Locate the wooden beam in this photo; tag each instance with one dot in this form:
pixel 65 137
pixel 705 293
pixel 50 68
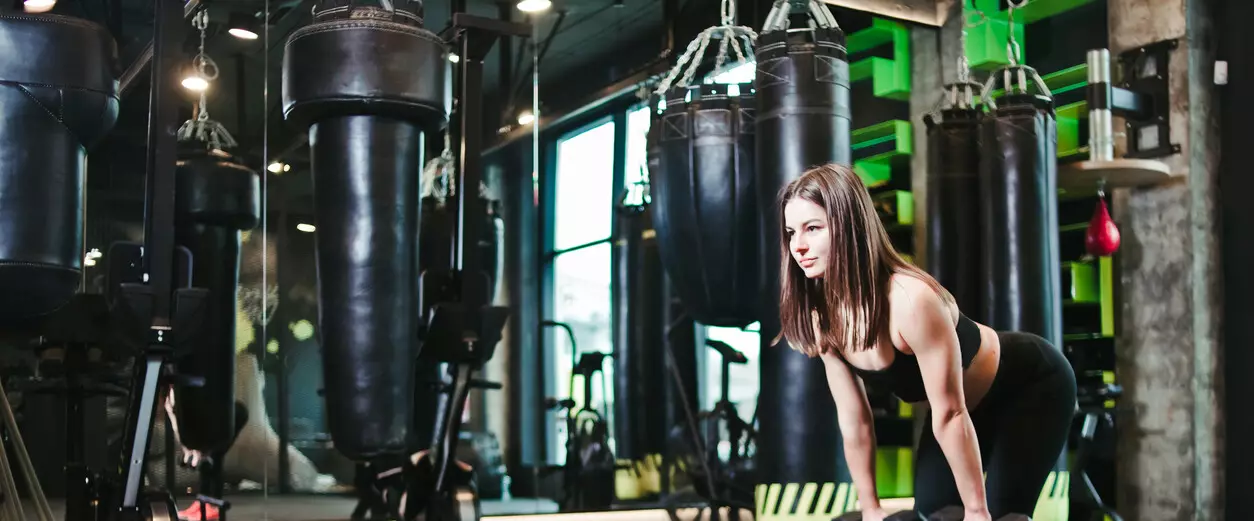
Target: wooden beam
pixel 931 13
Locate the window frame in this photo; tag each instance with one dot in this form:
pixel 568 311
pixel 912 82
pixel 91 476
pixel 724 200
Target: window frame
pixel 616 115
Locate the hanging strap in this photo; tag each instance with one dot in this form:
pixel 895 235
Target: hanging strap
pixel 777 18
pixel 200 128
pixel 963 93
pixel 731 37
pixel 1015 76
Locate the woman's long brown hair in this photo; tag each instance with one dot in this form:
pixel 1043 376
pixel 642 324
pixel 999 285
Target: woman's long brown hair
pixel 851 299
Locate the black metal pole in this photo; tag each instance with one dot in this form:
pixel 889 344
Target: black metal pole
pixel 281 375
pixel 469 206
pixel 163 122
pixel 76 500
pixel 158 254
pixel 505 73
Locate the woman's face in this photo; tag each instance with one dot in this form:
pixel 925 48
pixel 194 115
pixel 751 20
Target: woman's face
pixel 805 225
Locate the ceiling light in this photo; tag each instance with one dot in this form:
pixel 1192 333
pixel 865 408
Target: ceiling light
pixel 39 6
pixel 532 6
pixel 195 83
pixel 242 26
pixel 526 117
pixel 241 33
pixel 278 167
pixel 307 228
pixel 454 58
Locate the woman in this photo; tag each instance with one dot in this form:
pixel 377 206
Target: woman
pixel 1000 401
pixel 211 481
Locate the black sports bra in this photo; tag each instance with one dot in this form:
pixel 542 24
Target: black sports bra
pixel 904 378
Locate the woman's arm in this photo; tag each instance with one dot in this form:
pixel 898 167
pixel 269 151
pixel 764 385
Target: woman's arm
pixel 853 413
pixel 926 325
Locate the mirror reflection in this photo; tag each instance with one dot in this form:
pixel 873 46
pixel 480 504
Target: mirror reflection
pixel 465 259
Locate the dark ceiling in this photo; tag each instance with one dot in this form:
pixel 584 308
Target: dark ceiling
pixel 584 46
pixel 613 35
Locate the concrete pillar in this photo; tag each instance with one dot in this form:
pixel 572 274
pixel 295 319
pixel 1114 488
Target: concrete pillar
pixel 934 53
pixel 1170 453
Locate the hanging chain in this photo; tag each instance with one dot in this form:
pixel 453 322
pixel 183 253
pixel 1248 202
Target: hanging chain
pixel 201 128
pixel 1015 76
pixel 1013 51
pixel 964 64
pixel 732 37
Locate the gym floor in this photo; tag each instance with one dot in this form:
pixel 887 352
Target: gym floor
pixel 249 507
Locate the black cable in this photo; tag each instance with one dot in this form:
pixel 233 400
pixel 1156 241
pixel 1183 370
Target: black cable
pixel 683 396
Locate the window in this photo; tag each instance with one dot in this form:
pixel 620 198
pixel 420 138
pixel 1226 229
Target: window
pixel 581 267
pixel 742 73
pixel 585 178
pixel 637 151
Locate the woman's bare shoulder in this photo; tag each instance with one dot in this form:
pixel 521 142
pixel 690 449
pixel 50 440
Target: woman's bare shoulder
pixel 908 285
pixel 909 292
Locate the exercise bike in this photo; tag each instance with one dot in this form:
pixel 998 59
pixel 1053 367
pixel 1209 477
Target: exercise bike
pixel 589 471
pixel 723 483
pixel 1091 399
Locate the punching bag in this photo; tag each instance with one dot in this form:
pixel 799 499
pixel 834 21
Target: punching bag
pixel 216 199
pixel 1019 197
pixel 953 201
pixel 58 95
pixel 640 364
pixel 367 82
pixel 802 80
pixel 700 153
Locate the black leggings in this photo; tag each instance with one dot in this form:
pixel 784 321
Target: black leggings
pixel 1022 425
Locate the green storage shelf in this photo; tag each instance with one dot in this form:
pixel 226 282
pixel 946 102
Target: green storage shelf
pixel 878 169
pixel 890 78
pixel 896 202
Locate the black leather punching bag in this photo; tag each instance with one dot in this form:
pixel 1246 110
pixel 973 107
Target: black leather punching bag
pixel 640 328
pixel 704 201
pixel 216 199
pixel 954 208
pixel 58 95
pixel 367 82
pixel 1019 194
pixel 802 80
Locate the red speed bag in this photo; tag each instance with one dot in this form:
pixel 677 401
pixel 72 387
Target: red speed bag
pixel 1102 237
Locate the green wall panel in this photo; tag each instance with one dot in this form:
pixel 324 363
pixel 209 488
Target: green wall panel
pixel 890 78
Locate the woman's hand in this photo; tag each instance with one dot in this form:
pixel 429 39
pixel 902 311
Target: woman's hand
pixel 192 458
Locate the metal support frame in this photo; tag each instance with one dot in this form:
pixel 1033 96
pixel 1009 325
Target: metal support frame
pixel 159 249
pixel 460 314
pixel 1142 99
